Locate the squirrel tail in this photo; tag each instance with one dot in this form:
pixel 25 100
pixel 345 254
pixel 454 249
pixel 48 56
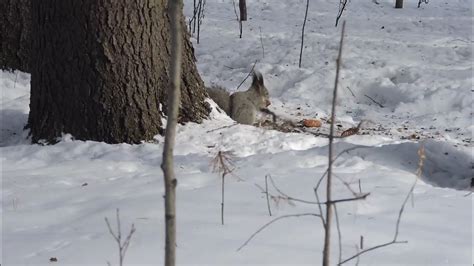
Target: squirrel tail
pixel 220 96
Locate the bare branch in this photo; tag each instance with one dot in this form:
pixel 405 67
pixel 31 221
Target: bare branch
pixel 289 197
pixel 361 197
pixel 272 221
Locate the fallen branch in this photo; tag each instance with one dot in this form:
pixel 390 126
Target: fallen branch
pixel 379 104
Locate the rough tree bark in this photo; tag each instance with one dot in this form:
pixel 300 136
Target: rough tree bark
pixel 15 30
pixel 100 71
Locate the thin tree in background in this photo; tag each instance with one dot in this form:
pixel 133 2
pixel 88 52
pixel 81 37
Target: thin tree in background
pixel 329 202
pixel 174 11
pixel 15 32
pixel 302 32
pixel 399 4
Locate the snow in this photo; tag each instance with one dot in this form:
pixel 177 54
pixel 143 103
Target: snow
pixel 417 63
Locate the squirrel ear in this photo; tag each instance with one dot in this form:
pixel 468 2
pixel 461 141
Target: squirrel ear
pixel 257 78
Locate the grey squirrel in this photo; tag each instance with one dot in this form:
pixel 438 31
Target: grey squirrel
pixel 243 106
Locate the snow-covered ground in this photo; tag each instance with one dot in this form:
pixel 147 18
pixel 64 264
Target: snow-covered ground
pixel 417 63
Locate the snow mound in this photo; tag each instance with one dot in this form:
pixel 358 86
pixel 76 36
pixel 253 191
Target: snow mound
pixel 445 166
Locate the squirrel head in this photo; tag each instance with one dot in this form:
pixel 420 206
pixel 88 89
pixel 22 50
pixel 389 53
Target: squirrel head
pixel 257 79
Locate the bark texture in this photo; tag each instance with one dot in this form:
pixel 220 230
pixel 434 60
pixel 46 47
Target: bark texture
pixel 15 33
pixel 100 71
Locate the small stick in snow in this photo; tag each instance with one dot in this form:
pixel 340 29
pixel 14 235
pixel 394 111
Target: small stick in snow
pixel 351 91
pixel 122 246
pixel 372 99
pixel 223 164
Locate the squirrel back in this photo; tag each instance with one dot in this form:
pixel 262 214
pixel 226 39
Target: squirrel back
pixel 220 96
pixel 243 106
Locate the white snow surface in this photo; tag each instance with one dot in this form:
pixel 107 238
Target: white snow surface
pixel 416 62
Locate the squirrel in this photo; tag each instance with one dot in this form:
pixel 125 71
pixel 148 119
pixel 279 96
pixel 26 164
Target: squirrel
pixel 242 106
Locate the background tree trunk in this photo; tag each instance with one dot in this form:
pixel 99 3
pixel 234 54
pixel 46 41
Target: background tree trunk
pixel 15 30
pixel 399 4
pixel 100 71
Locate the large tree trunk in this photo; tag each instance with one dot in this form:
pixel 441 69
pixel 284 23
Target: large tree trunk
pixel 15 30
pixel 100 71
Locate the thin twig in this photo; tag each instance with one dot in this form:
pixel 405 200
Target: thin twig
pixel 358 258
pixel 372 99
pixel 122 246
pixel 351 91
pixel 248 75
pixel 200 10
pixel 272 221
pixel 286 196
pixel 361 197
pixel 219 128
pixel 261 43
pixel 224 165
pixel 336 157
pixel 348 186
pixel 268 197
pixel 342 6
pixel 302 32
pixel 421 154
pixel 289 197
pixel 222 196
pixel 320 208
pixel 372 248
pixel 339 234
